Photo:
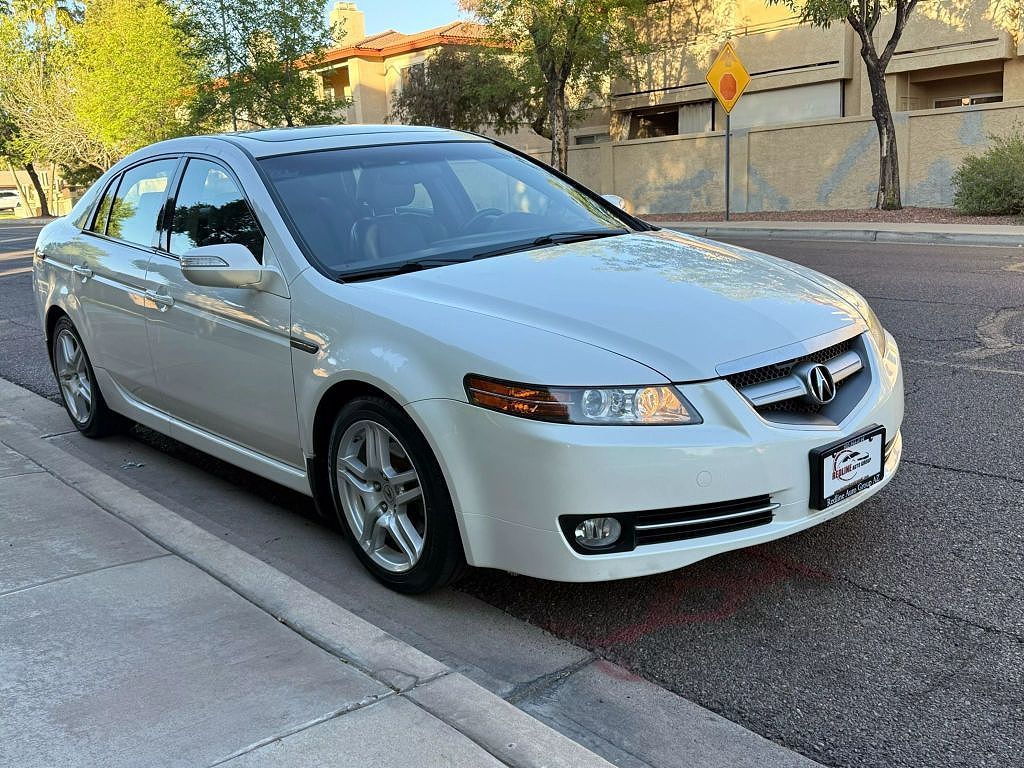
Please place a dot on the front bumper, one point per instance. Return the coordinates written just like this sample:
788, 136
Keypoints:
511, 478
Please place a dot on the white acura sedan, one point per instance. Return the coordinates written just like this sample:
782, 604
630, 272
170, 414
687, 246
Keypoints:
465, 357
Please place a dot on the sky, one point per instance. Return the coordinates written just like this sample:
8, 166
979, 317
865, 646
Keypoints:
405, 15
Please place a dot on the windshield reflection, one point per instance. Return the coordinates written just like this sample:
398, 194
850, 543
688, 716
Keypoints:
363, 208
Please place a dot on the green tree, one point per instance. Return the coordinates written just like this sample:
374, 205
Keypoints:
576, 45
31, 31
132, 73
863, 16
468, 90
258, 58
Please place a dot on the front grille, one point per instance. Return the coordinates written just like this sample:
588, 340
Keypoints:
757, 385
781, 370
659, 526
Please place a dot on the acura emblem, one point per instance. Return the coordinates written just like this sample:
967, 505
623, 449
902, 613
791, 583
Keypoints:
819, 384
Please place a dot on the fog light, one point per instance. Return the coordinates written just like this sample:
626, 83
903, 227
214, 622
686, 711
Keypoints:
598, 532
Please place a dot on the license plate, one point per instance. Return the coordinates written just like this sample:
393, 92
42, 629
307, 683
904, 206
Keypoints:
844, 468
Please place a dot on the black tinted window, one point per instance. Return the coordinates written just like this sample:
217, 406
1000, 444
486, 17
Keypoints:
210, 209
363, 207
140, 195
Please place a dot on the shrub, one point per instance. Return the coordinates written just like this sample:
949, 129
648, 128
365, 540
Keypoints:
992, 183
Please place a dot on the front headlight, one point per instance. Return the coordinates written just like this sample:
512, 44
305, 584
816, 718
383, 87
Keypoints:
583, 405
874, 324
875, 329
863, 308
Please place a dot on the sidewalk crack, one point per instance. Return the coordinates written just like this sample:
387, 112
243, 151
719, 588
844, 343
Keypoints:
326, 717
39, 471
84, 573
548, 682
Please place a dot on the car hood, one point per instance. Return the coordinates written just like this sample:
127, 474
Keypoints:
679, 305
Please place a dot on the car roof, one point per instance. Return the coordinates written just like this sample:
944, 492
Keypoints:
285, 141
277, 141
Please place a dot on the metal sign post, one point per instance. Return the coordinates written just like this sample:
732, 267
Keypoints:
728, 79
728, 164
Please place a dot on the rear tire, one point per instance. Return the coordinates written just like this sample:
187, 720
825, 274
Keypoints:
76, 382
391, 498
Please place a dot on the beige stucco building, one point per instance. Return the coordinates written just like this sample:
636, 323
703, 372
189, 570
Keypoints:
16, 179
803, 136
801, 73
369, 70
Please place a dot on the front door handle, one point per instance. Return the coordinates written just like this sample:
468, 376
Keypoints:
162, 300
82, 271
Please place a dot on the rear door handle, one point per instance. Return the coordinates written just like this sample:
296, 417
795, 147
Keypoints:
162, 300
82, 271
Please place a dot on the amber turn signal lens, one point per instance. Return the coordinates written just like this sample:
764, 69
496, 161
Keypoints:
517, 399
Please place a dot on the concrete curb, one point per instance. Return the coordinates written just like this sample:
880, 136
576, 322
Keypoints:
508, 733
852, 235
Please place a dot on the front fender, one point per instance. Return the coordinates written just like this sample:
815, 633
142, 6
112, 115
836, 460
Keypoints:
416, 350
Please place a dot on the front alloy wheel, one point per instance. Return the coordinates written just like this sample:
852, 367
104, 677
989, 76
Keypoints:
381, 496
390, 496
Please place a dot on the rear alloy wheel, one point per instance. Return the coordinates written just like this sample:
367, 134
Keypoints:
78, 390
389, 495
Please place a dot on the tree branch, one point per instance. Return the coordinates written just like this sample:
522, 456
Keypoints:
903, 10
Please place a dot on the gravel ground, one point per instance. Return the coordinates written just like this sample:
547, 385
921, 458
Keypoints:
904, 216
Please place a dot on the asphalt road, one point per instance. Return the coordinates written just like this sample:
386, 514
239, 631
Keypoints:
892, 636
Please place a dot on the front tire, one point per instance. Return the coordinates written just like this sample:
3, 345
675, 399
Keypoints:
391, 498
77, 384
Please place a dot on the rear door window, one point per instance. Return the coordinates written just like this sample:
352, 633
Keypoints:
140, 196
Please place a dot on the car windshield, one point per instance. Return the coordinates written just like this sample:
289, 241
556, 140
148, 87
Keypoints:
367, 208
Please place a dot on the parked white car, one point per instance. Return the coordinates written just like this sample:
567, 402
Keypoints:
463, 356
10, 200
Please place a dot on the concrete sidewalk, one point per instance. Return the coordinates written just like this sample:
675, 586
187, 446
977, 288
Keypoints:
129, 637
880, 232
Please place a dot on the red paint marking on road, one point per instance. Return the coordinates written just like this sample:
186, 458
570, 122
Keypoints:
734, 590
616, 672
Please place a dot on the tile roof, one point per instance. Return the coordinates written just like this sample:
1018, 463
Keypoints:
390, 42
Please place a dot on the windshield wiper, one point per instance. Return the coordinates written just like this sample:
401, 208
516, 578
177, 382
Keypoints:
387, 270
555, 238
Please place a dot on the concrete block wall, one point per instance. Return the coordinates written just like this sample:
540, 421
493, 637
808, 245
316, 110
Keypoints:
820, 165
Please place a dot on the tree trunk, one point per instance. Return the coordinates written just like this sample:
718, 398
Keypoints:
22, 192
559, 114
889, 197
44, 209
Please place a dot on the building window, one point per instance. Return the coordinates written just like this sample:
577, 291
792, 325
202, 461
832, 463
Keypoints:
969, 101
410, 73
788, 105
698, 117
653, 123
592, 138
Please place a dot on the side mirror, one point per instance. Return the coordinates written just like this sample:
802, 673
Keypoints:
619, 202
225, 265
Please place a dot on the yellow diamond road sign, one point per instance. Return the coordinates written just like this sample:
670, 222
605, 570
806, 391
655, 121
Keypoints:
728, 77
